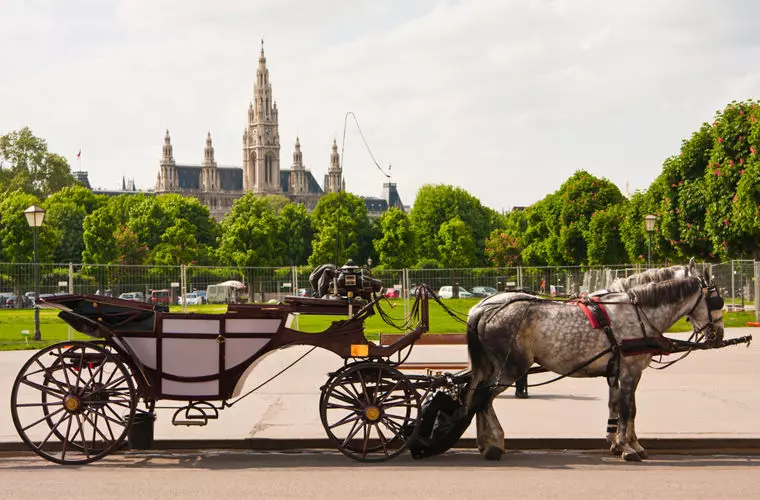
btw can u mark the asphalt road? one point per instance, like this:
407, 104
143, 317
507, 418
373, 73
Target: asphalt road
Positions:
329, 475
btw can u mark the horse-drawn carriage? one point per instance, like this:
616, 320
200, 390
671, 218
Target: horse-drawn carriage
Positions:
75, 402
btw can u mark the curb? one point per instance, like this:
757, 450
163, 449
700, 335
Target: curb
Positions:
691, 446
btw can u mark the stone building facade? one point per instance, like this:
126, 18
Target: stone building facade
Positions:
218, 187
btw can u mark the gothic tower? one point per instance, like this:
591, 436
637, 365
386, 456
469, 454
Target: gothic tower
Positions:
167, 175
261, 139
209, 172
334, 173
298, 181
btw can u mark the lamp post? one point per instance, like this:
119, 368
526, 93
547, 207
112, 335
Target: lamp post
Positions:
369, 263
649, 221
34, 216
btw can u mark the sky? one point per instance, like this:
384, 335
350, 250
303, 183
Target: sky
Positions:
505, 99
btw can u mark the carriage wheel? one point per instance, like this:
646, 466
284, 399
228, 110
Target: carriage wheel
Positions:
371, 411
73, 402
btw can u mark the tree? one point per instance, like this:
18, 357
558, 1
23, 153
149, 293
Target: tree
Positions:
395, 247
436, 205
26, 164
16, 237
605, 245
341, 229
295, 233
178, 245
457, 247
503, 249
99, 242
249, 234
66, 211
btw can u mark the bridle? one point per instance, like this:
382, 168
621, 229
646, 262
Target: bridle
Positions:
714, 302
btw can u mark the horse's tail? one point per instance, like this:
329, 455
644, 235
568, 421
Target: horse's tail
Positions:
480, 364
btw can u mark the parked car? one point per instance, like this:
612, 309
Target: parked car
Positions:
392, 293
160, 297
446, 292
201, 294
193, 299
304, 292
483, 291
136, 296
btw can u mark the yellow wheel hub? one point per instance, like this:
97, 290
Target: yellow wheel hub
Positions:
71, 403
372, 413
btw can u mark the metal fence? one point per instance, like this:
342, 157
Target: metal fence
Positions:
736, 280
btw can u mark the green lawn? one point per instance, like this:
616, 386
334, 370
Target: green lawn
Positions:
12, 322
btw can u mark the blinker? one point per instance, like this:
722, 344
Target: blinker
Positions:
714, 303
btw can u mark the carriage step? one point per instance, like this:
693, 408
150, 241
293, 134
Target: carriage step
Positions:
199, 423
197, 413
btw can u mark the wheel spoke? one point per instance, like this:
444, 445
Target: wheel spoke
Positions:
343, 397
365, 441
333, 406
377, 385
63, 366
363, 385
117, 420
352, 433
395, 386
46, 417
52, 430
344, 420
84, 438
25, 405
42, 388
95, 428
383, 441
108, 424
66, 438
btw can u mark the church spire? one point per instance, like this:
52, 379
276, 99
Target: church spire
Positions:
297, 156
208, 153
167, 158
335, 173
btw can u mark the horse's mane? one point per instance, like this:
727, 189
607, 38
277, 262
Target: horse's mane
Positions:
667, 291
649, 276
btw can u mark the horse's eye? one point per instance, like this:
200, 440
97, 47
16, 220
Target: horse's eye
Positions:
688, 320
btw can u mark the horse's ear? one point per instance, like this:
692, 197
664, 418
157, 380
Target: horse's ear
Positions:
691, 269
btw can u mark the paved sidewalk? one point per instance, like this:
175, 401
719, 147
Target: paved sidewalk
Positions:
710, 394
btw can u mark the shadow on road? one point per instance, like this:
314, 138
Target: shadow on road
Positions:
232, 460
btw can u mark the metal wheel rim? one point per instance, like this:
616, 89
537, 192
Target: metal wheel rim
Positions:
100, 395
343, 411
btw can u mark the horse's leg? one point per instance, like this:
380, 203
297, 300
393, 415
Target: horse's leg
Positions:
490, 434
627, 411
612, 421
632, 438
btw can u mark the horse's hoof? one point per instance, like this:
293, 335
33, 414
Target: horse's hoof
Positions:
643, 454
631, 457
615, 450
493, 453
523, 394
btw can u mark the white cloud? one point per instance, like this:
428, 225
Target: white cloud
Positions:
506, 99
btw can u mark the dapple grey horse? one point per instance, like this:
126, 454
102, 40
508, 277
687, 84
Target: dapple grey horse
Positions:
508, 332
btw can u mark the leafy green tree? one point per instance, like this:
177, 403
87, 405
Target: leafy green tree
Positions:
457, 247
342, 229
295, 233
178, 245
26, 164
129, 249
66, 211
98, 236
16, 237
436, 205
395, 247
605, 245
503, 248
249, 234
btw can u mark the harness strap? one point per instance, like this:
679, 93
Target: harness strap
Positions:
599, 318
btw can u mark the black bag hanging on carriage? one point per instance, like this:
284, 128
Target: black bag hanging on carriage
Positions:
442, 423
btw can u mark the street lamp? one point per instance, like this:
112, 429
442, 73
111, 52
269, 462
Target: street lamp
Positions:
34, 216
369, 262
649, 221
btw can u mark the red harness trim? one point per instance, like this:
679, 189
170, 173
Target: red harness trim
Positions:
596, 321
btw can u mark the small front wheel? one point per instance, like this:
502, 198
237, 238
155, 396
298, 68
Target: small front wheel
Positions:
371, 410
72, 403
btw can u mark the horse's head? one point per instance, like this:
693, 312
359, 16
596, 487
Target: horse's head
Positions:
706, 316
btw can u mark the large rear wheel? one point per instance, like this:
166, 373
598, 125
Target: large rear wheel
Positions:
371, 411
73, 402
